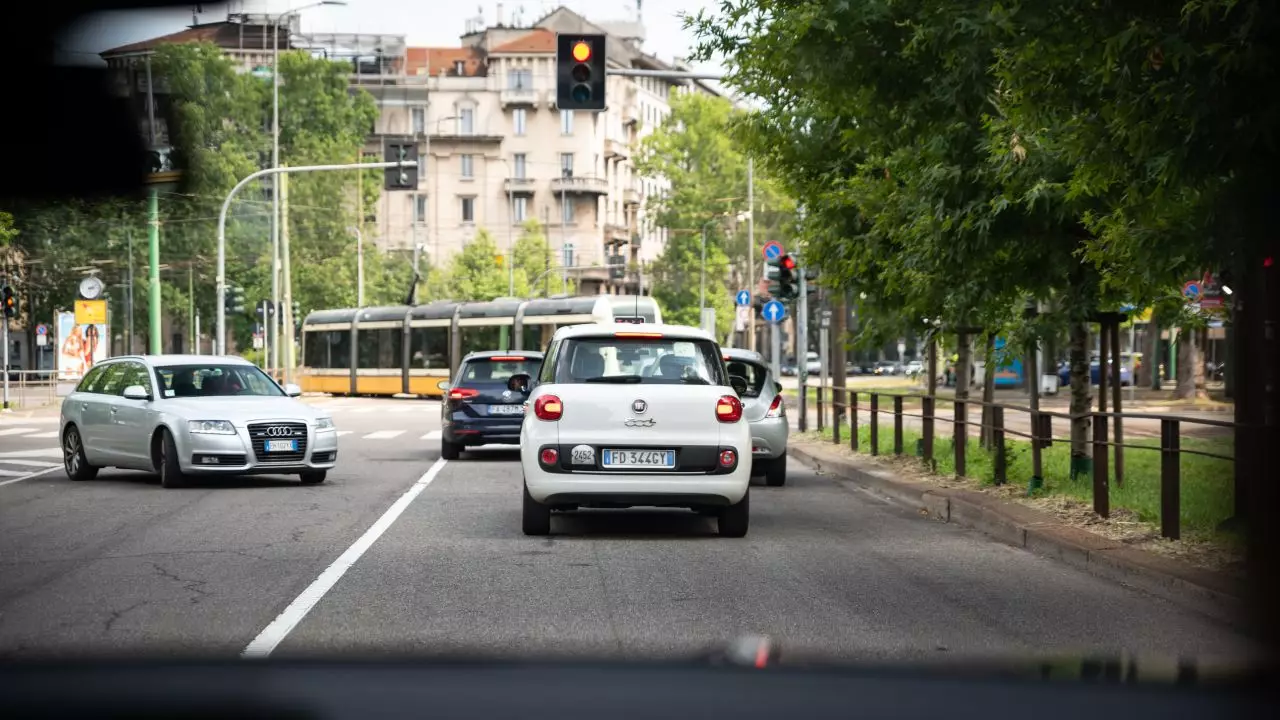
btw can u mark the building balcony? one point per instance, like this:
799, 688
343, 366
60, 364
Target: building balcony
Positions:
631, 114
631, 196
454, 136
518, 186
616, 149
520, 97
615, 234
580, 185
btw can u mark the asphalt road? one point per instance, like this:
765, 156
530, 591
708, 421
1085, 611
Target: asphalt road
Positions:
402, 553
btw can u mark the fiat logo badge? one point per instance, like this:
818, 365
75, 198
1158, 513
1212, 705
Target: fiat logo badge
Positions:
639, 406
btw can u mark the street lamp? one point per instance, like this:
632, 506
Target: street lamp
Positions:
275, 162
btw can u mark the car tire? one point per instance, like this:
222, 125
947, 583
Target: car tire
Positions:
735, 519
450, 450
775, 471
73, 457
314, 478
536, 517
167, 465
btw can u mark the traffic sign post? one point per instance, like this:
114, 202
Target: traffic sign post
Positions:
774, 311
771, 250
1191, 291
743, 298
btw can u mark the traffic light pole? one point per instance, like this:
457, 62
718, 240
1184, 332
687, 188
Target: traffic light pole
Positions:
802, 349
153, 293
221, 330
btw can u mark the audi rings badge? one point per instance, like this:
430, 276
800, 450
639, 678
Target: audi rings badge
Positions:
280, 431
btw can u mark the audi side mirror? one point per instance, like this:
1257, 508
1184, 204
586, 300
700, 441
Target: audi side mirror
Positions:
292, 390
136, 392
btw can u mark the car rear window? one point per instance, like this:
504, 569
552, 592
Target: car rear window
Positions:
640, 360
485, 370
753, 373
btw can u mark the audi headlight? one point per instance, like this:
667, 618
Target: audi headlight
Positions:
324, 423
211, 427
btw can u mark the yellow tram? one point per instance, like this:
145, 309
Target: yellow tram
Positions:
412, 350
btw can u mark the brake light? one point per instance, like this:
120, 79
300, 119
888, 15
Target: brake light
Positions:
776, 408
728, 458
463, 393
728, 409
650, 335
513, 358
548, 407
549, 456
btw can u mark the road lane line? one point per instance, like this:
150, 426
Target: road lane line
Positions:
275, 633
17, 430
433, 435
28, 476
383, 434
49, 434
29, 463
344, 432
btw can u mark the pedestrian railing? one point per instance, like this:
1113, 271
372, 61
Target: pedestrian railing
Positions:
1106, 455
33, 388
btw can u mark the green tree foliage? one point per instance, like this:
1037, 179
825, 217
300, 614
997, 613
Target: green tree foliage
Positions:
480, 272
708, 174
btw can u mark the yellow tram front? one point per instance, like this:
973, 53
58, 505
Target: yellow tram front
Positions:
398, 350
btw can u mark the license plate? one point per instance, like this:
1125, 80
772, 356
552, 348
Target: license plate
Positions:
282, 445
639, 458
506, 409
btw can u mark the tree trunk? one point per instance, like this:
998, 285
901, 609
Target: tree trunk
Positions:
1150, 375
964, 365
1190, 366
1081, 402
988, 391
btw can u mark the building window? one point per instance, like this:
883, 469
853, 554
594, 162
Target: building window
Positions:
419, 208
518, 166
519, 117
467, 121
566, 122
520, 79
566, 210
459, 67
520, 209
419, 118
468, 209
568, 255
566, 164
468, 167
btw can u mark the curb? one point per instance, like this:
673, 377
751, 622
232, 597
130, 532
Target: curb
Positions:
1212, 593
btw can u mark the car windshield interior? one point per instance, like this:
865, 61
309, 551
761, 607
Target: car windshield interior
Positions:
650, 361
186, 381
497, 370
751, 372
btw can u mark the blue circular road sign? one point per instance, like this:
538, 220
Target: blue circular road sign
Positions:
772, 250
743, 298
774, 311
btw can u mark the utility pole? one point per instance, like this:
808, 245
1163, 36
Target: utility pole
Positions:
153, 297
196, 347
128, 296
751, 251
286, 314
802, 348
359, 234
191, 300
564, 230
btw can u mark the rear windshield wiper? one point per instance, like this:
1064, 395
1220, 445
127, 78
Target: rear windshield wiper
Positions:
615, 379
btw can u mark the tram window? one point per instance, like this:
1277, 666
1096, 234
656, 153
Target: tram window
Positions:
429, 347
328, 349
484, 337
380, 348
531, 337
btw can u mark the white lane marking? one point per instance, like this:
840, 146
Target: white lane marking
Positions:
49, 434
28, 476
383, 434
279, 629
47, 452
17, 430
433, 435
30, 463
344, 432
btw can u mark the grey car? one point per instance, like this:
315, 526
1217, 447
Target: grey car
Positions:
763, 408
184, 415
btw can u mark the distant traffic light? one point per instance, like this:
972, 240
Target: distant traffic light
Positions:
781, 273
297, 314
234, 303
580, 72
10, 302
403, 177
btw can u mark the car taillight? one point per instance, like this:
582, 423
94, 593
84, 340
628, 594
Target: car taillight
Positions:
728, 458
463, 393
548, 407
728, 409
776, 408
550, 456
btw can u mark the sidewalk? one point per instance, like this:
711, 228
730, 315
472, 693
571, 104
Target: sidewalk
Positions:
1138, 400
1213, 592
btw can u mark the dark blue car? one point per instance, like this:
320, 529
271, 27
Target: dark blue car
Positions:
484, 405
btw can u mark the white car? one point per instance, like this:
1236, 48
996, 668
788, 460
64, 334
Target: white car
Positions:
182, 415
626, 415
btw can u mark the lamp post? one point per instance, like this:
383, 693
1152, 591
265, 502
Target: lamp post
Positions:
274, 329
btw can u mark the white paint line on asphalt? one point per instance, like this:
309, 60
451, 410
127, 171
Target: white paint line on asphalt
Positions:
46, 452
344, 432
49, 434
275, 633
383, 434
433, 435
17, 430
30, 463
28, 476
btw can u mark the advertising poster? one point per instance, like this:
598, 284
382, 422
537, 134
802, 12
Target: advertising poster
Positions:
79, 346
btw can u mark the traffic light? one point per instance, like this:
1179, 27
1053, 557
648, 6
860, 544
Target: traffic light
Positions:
297, 314
404, 177
580, 72
234, 300
10, 302
781, 273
